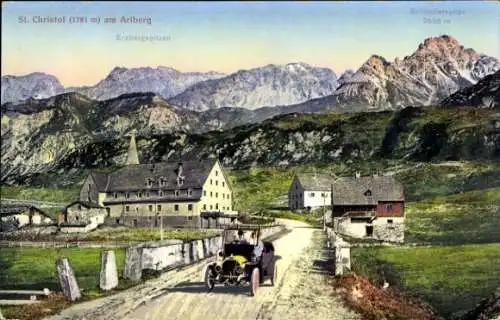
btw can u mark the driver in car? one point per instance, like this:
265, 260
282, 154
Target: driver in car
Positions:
241, 237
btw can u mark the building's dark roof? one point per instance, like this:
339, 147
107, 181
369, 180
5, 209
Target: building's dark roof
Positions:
134, 177
86, 204
315, 182
12, 209
101, 180
351, 191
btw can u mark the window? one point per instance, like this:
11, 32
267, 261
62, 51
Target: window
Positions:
210, 181
150, 182
211, 193
115, 195
389, 207
223, 196
140, 194
176, 207
211, 207
159, 207
389, 221
216, 173
216, 182
190, 207
368, 193
180, 181
176, 193
216, 206
189, 192
160, 193
204, 192
204, 207
190, 218
127, 195
127, 208
136, 209
150, 207
216, 194
223, 184
77, 218
163, 182
312, 194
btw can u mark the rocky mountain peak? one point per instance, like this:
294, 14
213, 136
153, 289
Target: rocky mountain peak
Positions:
439, 41
377, 62
270, 85
444, 47
439, 67
37, 85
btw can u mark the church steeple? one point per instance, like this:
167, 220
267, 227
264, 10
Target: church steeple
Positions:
132, 157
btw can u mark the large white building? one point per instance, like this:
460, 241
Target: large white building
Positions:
309, 191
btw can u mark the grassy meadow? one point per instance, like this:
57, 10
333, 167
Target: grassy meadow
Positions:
462, 265
469, 217
451, 278
35, 268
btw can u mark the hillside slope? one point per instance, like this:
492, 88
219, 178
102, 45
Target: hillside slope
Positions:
413, 134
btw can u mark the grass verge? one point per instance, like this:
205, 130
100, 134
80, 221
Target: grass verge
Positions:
451, 278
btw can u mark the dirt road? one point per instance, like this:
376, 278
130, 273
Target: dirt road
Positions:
301, 291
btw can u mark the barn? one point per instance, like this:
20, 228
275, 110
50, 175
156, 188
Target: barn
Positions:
369, 207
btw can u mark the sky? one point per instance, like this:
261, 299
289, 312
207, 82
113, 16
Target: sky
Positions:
227, 37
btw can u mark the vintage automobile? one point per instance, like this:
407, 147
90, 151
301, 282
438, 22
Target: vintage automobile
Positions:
237, 264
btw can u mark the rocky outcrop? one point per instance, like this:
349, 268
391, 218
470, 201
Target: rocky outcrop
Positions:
413, 134
488, 309
163, 81
271, 85
35, 85
484, 94
439, 67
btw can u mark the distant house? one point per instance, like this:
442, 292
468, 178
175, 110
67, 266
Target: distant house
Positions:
182, 193
309, 191
17, 216
82, 216
370, 207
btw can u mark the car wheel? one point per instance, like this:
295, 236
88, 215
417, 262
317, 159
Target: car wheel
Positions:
274, 276
209, 279
254, 281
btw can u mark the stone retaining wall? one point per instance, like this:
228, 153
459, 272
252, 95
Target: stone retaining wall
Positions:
342, 251
175, 253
